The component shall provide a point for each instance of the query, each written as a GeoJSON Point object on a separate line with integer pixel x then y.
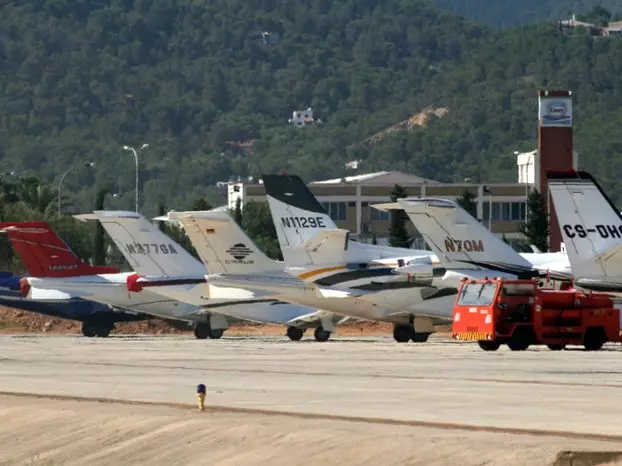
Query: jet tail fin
{"type": "Point", "coordinates": [298, 216]}
{"type": "Point", "coordinates": [456, 236]}
{"type": "Point", "coordinates": [222, 245]}
{"type": "Point", "coordinates": [45, 254]}
{"type": "Point", "coordinates": [590, 224]}
{"type": "Point", "coordinates": [148, 250]}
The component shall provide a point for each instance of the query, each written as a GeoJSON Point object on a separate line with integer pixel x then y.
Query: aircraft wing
{"type": "Point", "coordinates": [277, 286]}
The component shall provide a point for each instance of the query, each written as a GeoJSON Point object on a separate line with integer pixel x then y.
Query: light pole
{"type": "Point", "coordinates": [131, 149]}
{"type": "Point", "coordinates": [62, 178]}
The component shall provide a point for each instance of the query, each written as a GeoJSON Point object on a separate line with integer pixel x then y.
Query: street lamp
{"type": "Point", "coordinates": [62, 178]}
{"type": "Point", "coordinates": [129, 148]}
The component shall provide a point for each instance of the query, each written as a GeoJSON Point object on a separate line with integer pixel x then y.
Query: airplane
{"type": "Point", "coordinates": [458, 238]}
{"type": "Point", "coordinates": [57, 274]}
{"type": "Point", "coordinates": [182, 278]}
{"type": "Point", "coordinates": [97, 318]}
{"type": "Point", "coordinates": [368, 290]}
{"type": "Point", "coordinates": [591, 227]}
{"type": "Point", "coordinates": [298, 218]}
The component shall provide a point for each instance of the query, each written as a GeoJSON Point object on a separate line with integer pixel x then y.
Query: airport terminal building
{"type": "Point", "coordinates": [501, 206]}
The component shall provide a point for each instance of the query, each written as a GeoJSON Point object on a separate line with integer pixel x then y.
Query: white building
{"type": "Point", "coordinates": [302, 118]}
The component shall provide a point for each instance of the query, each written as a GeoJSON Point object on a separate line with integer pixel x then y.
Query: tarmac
{"type": "Point", "coordinates": [273, 401]}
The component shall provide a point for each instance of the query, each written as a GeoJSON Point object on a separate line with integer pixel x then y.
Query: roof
{"type": "Point", "coordinates": [384, 178]}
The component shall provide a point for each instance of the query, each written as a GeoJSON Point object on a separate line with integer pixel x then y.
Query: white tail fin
{"type": "Point", "coordinates": [222, 244]}
{"type": "Point", "coordinates": [590, 224]}
{"type": "Point", "coordinates": [146, 248]}
{"type": "Point", "coordinates": [298, 218]}
{"type": "Point", "coordinates": [456, 236]}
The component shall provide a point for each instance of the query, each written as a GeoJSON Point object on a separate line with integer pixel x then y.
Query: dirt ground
{"type": "Point", "coordinates": [17, 321]}
{"type": "Point", "coordinates": [40, 431]}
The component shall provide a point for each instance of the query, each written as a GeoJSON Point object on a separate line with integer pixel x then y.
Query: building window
{"type": "Point", "coordinates": [335, 210]}
{"type": "Point", "coordinates": [376, 214]}
{"type": "Point", "coordinates": [505, 211]}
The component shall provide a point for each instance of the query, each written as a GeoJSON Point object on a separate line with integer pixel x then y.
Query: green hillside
{"type": "Point", "coordinates": [193, 79]}
{"type": "Point", "coordinates": [504, 13]}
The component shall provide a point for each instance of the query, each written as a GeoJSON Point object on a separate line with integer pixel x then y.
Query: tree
{"type": "Point", "coordinates": [536, 228]}
{"type": "Point", "coordinates": [398, 234]}
{"type": "Point", "coordinates": [258, 225]}
{"type": "Point", "coordinates": [36, 196]}
{"type": "Point", "coordinates": [237, 213]}
{"type": "Point", "coordinates": [99, 240]}
{"type": "Point", "coordinates": [201, 204]}
{"type": "Point", "coordinates": [467, 202]}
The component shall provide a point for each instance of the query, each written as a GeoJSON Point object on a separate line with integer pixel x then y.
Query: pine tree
{"type": "Point", "coordinates": [467, 202]}
{"type": "Point", "coordinates": [536, 228]}
{"type": "Point", "coordinates": [398, 234]}
{"type": "Point", "coordinates": [99, 241]}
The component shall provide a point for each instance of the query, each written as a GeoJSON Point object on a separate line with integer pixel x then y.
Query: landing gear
{"type": "Point", "coordinates": [91, 329]}
{"type": "Point", "coordinates": [87, 330]}
{"type": "Point", "coordinates": [403, 333]}
{"type": "Point", "coordinates": [103, 332]}
{"type": "Point", "coordinates": [320, 334]}
{"type": "Point", "coordinates": [295, 333]}
{"type": "Point", "coordinates": [420, 337]}
{"type": "Point", "coordinates": [201, 331]}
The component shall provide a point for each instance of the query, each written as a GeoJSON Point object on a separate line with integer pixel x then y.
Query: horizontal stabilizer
{"type": "Point", "coordinates": [328, 240]}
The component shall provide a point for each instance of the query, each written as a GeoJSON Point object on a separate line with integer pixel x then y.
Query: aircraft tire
{"type": "Point", "coordinates": [295, 333]}
{"type": "Point", "coordinates": [403, 333]}
{"type": "Point", "coordinates": [420, 337]}
{"type": "Point", "coordinates": [201, 331]}
{"type": "Point", "coordinates": [320, 334]}
{"type": "Point", "coordinates": [102, 332]}
{"type": "Point", "coordinates": [215, 334]}
{"type": "Point", "coordinates": [88, 330]}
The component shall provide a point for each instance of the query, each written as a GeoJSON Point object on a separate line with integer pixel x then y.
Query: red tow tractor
{"type": "Point", "coordinates": [519, 314]}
